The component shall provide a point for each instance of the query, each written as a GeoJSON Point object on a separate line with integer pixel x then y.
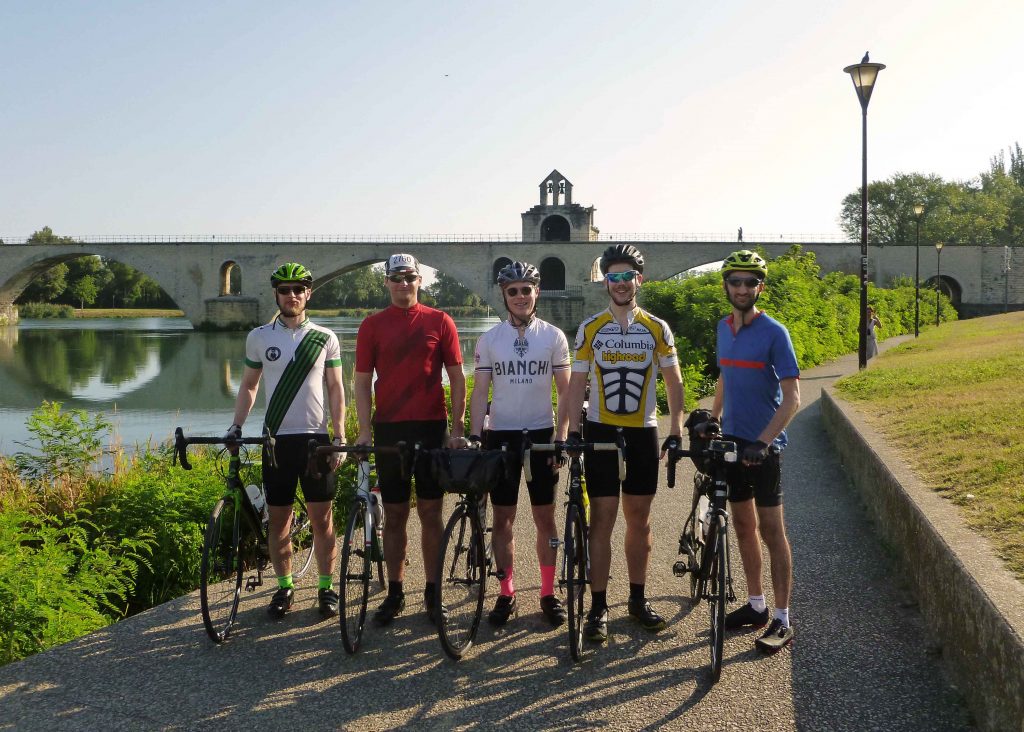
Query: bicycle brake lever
{"type": "Point", "coordinates": [179, 449]}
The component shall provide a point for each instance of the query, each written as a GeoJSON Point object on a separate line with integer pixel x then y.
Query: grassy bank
{"type": "Point", "coordinates": [950, 403]}
{"type": "Point", "coordinates": [127, 313]}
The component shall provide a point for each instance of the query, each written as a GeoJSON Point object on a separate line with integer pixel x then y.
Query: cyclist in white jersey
{"type": "Point", "coordinates": [518, 359]}
{"type": "Point", "coordinates": [296, 359]}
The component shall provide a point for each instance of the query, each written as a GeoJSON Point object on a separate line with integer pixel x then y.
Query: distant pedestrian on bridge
{"type": "Point", "coordinates": [620, 351]}
{"type": "Point", "coordinates": [296, 359]}
{"type": "Point", "coordinates": [757, 394]}
{"type": "Point", "coordinates": [407, 345]}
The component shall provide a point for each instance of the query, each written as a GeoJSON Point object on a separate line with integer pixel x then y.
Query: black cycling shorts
{"type": "Point", "coordinates": [761, 482]}
{"type": "Point", "coordinates": [542, 487]}
{"type": "Point", "coordinates": [641, 453]}
{"type": "Point", "coordinates": [291, 452]}
{"type": "Point", "coordinates": [430, 434]}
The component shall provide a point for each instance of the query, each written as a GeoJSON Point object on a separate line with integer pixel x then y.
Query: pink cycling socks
{"type": "Point", "coordinates": [507, 587]}
{"type": "Point", "coordinates": [547, 580]}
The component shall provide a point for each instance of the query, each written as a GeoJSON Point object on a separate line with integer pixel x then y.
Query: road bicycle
{"type": "Point", "coordinates": [235, 543]}
{"type": "Point", "coordinates": [574, 575]}
{"type": "Point", "coordinates": [465, 560]}
{"type": "Point", "coordinates": [704, 542]}
{"type": "Point", "coordinates": [362, 545]}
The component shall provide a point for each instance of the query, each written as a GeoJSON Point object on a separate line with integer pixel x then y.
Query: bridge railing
{"type": "Point", "coordinates": [751, 238]}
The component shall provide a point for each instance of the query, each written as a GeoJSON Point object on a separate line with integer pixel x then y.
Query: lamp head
{"type": "Point", "coordinates": [918, 210]}
{"type": "Point", "coordinates": [938, 246]}
{"type": "Point", "coordinates": [864, 76]}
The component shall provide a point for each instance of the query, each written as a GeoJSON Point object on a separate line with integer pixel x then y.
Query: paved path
{"type": "Point", "coordinates": [862, 657]}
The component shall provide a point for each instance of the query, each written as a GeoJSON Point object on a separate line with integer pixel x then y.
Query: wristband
{"type": "Point", "coordinates": [337, 441]}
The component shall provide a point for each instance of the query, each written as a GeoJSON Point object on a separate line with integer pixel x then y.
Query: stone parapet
{"type": "Point", "coordinates": [974, 605]}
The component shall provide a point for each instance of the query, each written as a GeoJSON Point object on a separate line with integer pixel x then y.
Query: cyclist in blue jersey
{"type": "Point", "coordinates": [296, 359]}
{"type": "Point", "coordinates": [757, 394]}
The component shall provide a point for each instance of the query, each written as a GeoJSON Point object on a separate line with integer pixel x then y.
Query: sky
{"type": "Point", "coordinates": [442, 118]}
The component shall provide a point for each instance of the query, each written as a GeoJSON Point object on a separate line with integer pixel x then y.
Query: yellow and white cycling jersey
{"type": "Point", "coordinates": [623, 366]}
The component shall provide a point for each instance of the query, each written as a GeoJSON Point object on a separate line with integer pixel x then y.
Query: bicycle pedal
{"type": "Point", "coordinates": [680, 568]}
{"type": "Point", "coordinates": [252, 582]}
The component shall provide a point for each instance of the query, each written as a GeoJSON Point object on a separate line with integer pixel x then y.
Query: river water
{"type": "Point", "coordinates": [146, 375]}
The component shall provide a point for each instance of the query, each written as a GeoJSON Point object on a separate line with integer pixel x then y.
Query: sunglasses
{"type": "Point", "coordinates": [525, 290]}
{"type": "Point", "coordinates": [291, 289]}
{"type": "Point", "coordinates": [407, 279]}
{"type": "Point", "coordinates": [622, 276]}
{"type": "Point", "coordinates": [749, 282]}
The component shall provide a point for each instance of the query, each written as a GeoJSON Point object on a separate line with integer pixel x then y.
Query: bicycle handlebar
{"type": "Point", "coordinates": [181, 443]}
{"type": "Point", "coordinates": [316, 449]}
{"type": "Point", "coordinates": [579, 448]}
{"type": "Point", "coordinates": [717, 451]}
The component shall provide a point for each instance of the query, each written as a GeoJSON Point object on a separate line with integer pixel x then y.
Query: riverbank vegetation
{"type": "Point", "coordinates": [949, 403]}
{"type": "Point", "coordinates": [821, 313]}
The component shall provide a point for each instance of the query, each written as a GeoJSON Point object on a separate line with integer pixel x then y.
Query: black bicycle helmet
{"type": "Point", "coordinates": [622, 254]}
{"type": "Point", "coordinates": [518, 272]}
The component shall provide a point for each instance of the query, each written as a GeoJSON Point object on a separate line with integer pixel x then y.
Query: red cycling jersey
{"type": "Point", "coordinates": [408, 349]}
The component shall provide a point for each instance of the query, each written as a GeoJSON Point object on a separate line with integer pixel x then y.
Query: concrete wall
{"type": "Point", "coordinates": [971, 601]}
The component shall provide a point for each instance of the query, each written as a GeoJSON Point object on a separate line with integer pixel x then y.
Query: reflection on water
{"type": "Point", "coordinates": [147, 375]}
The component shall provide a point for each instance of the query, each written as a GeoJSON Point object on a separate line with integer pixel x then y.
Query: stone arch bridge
{"type": "Point", "coordinates": [196, 273]}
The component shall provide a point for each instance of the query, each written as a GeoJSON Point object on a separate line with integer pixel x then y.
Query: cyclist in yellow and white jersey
{"type": "Point", "coordinates": [620, 352]}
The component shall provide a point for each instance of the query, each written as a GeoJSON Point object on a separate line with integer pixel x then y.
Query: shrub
{"type": "Point", "coordinates": [45, 310]}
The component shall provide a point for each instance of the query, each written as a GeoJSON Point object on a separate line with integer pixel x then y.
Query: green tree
{"type": "Point", "coordinates": [446, 291]}
{"type": "Point", "coordinates": [357, 288]}
{"type": "Point", "coordinates": [84, 290]}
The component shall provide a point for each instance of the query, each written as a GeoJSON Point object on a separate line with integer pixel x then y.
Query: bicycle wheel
{"type": "Point", "coordinates": [354, 579]}
{"type": "Point", "coordinates": [221, 570]}
{"type": "Point", "coordinates": [575, 572]}
{"type": "Point", "coordinates": [302, 539]}
{"type": "Point", "coordinates": [716, 599]}
{"type": "Point", "coordinates": [461, 584]}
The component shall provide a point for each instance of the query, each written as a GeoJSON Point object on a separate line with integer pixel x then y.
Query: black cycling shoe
{"type": "Point", "coordinates": [642, 612]}
{"type": "Point", "coordinates": [281, 602]}
{"type": "Point", "coordinates": [744, 616]}
{"type": "Point", "coordinates": [775, 638]}
{"type": "Point", "coordinates": [389, 609]}
{"type": "Point", "coordinates": [504, 608]}
{"type": "Point", "coordinates": [553, 610]}
{"type": "Point", "coordinates": [328, 600]}
{"type": "Point", "coordinates": [596, 627]}
{"type": "Point", "coordinates": [433, 612]}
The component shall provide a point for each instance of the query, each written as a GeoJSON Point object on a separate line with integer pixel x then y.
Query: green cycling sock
{"type": "Point", "coordinates": [325, 582]}
{"type": "Point", "coordinates": [286, 582]}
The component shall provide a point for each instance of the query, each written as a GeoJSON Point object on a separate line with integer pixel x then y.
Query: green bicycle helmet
{"type": "Point", "coordinates": [291, 272]}
{"type": "Point", "coordinates": [745, 261]}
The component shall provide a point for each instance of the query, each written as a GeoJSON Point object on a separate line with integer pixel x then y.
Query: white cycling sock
{"type": "Point", "coordinates": [757, 602]}
{"type": "Point", "coordinates": [782, 613]}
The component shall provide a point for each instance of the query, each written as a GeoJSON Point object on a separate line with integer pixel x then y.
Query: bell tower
{"type": "Point", "coordinates": [556, 217]}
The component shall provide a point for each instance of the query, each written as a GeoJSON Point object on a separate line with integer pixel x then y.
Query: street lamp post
{"type": "Point", "coordinates": [918, 213]}
{"type": "Point", "coordinates": [938, 282]}
{"type": "Point", "coordinates": [864, 75]}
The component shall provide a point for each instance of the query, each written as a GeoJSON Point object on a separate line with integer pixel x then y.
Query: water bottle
{"type": "Point", "coordinates": [378, 522]}
{"type": "Point", "coordinates": [704, 512]}
{"type": "Point", "coordinates": [258, 501]}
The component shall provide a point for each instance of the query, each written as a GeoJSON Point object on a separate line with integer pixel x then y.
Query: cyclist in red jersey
{"type": "Point", "coordinates": [407, 345]}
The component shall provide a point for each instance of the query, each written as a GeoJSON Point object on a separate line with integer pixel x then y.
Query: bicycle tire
{"type": "Point", "coordinates": [301, 534]}
{"type": "Point", "coordinates": [354, 578]}
{"type": "Point", "coordinates": [462, 580]}
{"type": "Point", "coordinates": [575, 569]}
{"type": "Point", "coordinates": [221, 568]}
{"type": "Point", "coordinates": [716, 600]}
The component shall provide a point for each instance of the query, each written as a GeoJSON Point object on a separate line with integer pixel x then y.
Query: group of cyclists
{"type": "Point", "coordinates": [401, 354]}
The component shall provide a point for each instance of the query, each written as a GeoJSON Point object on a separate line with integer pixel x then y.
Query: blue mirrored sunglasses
{"type": "Point", "coordinates": [622, 276]}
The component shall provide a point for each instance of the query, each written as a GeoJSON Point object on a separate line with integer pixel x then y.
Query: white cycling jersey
{"type": "Point", "coordinates": [521, 371]}
{"type": "Point", "coordinates": [301, 407]}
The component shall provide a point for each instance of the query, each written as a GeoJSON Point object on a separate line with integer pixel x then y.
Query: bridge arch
{"type": "Point", "coordinates": [555, 228]}
{"type": "Point", "coordinates": [949, 286]}
{"type": "Point", "coordinates": [552, 274]}
{"type": "Point", "coordinates": [496, 267]}
{"type": "Point", "coordinates": [230, 278]}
